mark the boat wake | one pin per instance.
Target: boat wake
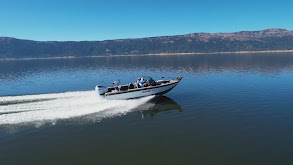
(50, 108)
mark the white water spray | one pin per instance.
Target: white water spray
(53, 107)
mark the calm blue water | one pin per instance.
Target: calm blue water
(228, 109)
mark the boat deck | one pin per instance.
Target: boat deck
(134, 87)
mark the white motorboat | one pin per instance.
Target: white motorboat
(134, 90)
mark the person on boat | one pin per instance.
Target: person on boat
(116, 82)
(141, 82)
(137, 82)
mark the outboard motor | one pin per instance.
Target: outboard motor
(101, 89)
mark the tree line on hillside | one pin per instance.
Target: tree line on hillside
(16, 48)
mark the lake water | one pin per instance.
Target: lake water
(228, 109)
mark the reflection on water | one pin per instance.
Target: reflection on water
(189, 63)
(62, 75)
(161, 104)
(227, 103)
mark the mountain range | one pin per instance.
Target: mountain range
(264, 40)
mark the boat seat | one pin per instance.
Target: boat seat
(130, 86)
(124, 87)
(110, 89)
(166, 81)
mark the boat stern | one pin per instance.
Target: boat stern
(101, 89)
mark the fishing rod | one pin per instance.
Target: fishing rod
(107, 81)
(168, 77)
(115, 82)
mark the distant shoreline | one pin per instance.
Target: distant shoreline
(154, 54)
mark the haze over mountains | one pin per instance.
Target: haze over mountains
(269, 39)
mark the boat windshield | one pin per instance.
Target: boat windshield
(146, 77)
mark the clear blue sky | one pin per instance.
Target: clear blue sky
(78, 20)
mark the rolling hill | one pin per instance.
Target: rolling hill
(269, 39)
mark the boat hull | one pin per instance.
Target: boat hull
(159, 90)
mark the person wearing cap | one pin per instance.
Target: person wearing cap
(137, 82)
